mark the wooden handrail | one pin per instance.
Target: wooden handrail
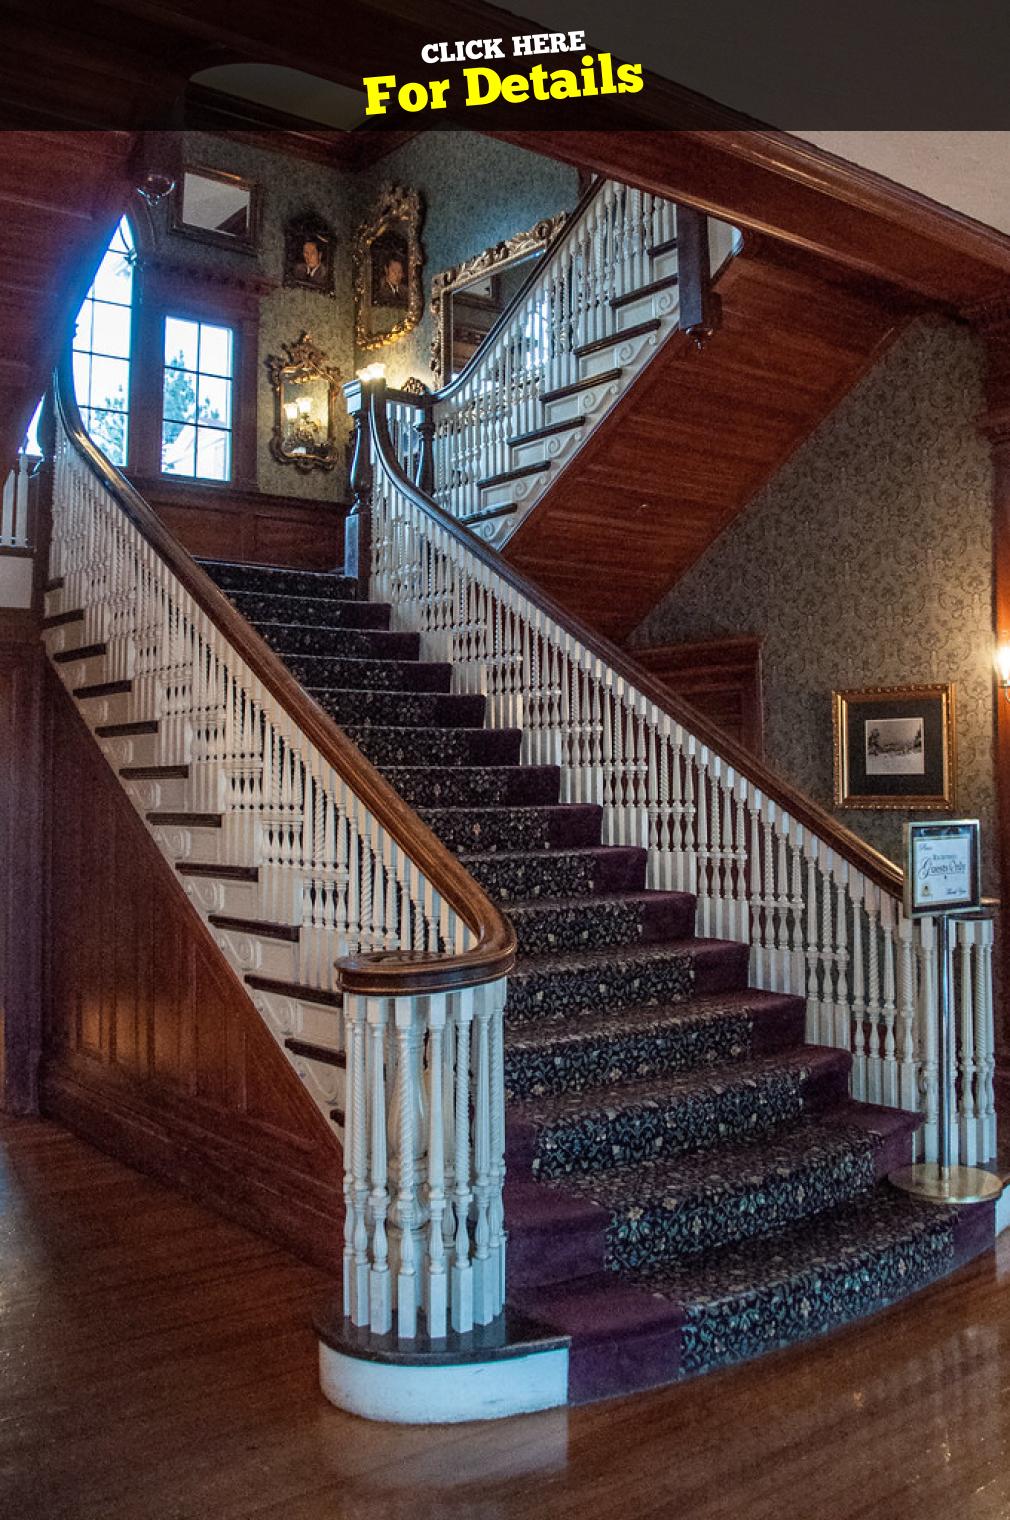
(875, 866)
(380, 973)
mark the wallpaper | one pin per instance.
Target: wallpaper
(477, 191)
(866, 562)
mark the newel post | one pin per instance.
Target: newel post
(358, 527)
(426, 455)
(700, 310)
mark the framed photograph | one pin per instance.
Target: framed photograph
(942, 872)
(309, 244)
(895, 747)
(216, 207)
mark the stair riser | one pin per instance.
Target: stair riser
(282, 582)
(142, 749)
(669, 1049)
(593, 925)
(515, 829)
(323, 612)
(559, 875)
(535, 995)
(369, 675)
(556, 448)
(341, 643)
(438, 746)
(237, 899)
(400, 709)
(258, 954)
(172, 794)
(487, 786)
(701, 1119)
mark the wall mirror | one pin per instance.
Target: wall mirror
(306, 406)
(467, 300)
(387, 257)
(216, 208)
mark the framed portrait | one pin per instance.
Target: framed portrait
(309, 246)
(387, 258)
(895, 747)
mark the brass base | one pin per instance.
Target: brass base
(947, 1184)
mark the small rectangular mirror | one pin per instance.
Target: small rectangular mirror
(217, 208)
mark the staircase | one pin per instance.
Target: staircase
(689, 1183)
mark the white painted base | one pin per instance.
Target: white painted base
(15, 580)
(1003, 1212)
(444, 1395)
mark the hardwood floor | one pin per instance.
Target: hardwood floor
(157, 1364)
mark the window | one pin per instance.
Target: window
(196, 429)
(102, 348)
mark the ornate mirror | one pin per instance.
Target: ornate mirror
(216, 208)
(387, 257)
(467, 300)
(306, 406)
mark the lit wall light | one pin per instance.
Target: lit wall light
(372, 372)
(1002, 662)
(291, 410)
(304, 405)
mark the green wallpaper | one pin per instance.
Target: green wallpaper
(866, 562)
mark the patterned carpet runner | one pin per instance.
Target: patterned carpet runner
(686, 1176)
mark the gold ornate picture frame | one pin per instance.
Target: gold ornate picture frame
(307, 406)
(387, 259)
(490, 262)
(895, 747)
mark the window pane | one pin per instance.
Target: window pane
(178, 449)
(108, 429)
(215, 350)
(82, 379)
(82, 331)
(114, 280)
(110, 380)
(213, 454)
(111, 330)
(179, 396)
(215, 400)
(181, 342)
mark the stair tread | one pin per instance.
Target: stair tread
(737, 1168)
(809, 1060)
(605, 958)
(525, 905)
(711, 1007)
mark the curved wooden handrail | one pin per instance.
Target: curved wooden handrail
(875, 866)
(578, 212)
(382, 973)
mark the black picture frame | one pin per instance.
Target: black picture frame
(303, 268)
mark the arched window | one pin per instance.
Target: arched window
(102, 348)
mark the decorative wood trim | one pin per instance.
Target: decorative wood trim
(22, 932)
(396, 207)
(706, 670)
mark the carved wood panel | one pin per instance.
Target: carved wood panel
(153, 1050)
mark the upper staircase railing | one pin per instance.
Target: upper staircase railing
(626, 270)
(821, 910)
(385, 913)
(17, 506)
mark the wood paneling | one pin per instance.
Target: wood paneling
(224, 523)
(153, 1049)
(699, 433)
(60, 196)
(177, 1352)
(21, 856)
(719, 677)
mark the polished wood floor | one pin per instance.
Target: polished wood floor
(156, 1364)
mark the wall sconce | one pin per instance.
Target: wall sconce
(291, 410)
(1001, 660)
(372, 372)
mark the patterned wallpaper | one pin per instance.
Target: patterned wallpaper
(477, 192)
(866, 562)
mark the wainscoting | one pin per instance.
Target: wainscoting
(225, 523)
(153, 1050)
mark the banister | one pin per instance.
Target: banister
(874, 866)
(504, 320)
(384, 973)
